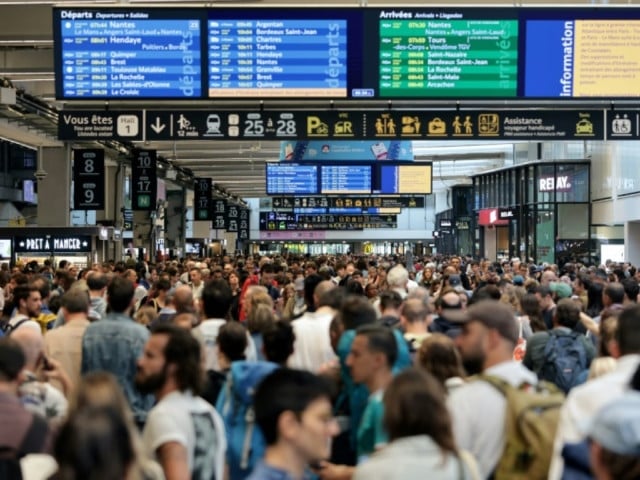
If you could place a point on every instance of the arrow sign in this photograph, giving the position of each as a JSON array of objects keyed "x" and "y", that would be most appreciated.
[{"x": 158, "y": 127}]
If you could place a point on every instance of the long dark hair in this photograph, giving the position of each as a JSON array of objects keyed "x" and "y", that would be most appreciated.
[
  {"x": 531, "y": 308},
  {"x": 415, "y": 404}
]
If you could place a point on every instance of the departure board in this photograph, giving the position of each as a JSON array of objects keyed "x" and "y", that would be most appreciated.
[
  {"x": 291, "y": 179},
  {"x": 277, "y": 58},
  {"x": 128, "y": 54},
  {"x": 405, "y": 179},
  {"x": 345, "y": 179},
  {"x": 424, "y": 58}
]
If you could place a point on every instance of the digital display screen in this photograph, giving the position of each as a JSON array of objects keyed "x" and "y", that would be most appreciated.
[
  {"x": 346, "y": 53},
  {"x": 128, "y": 54},
  {"x": 345, "y": 179},
  {"x": 427, "y": 57},
  {"x": 405, "y": 179},
  {"x": 582, "y": 58},
  {"x": 277, "y": 57},
  {"x": 5, "y": 248},
  {"x": 292, "y": 179}
]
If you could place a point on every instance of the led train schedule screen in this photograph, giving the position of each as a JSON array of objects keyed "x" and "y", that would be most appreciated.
[
  {"x": 291, "y": 179},
  {"x": 426, "y": 55},
  {"x": 127, "y": 54},
  {"x": 345, "y": 179},
  {"x": 277, "y": 57}
]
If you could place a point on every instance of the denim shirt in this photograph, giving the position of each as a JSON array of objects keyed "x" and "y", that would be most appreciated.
[{"x": 114, "y": 344}]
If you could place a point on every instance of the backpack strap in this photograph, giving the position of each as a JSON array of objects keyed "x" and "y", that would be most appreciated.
[
  {"x": 11, "y": 328},
  {"x": 249, "y": 418}
]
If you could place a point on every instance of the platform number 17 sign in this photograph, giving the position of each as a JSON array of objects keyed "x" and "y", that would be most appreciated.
[{"x": 144, "y": 180}]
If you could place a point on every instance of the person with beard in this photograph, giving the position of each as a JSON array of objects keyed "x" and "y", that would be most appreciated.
[
  {"x": 486, "y": 342},
  {"x": 183, "y": 432}
]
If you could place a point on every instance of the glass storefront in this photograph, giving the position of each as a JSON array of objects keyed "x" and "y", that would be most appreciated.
[{"x": 550, "y": 214}]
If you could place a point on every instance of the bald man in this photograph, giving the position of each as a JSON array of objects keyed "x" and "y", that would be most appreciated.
[{"x": 40, "y": 397}]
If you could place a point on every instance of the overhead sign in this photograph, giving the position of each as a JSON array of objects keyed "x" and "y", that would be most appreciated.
[
  {"x": 243, "y": 224},
  {"x": 127, "y": 217},
  {"x": 623, "y": 125},
  {"x": 120, "y": 54},
  {"x": 219, "y": 213},
  {"x": 347, "y": 202},
  {"x": 100, "y": 125},
  {"x": 233, "y": 216},
  {"x": 279, "y": 221},
  {"x": 53, "y": 243},
  {"x": 144, "y": 180},
  {"x": 445, "y": 223},
  {"x": 384, "y": 127},
  {"x": 305, "y": 52},
  {"x": 202, "y": 199},
  {"x": 88, "y": 179}
]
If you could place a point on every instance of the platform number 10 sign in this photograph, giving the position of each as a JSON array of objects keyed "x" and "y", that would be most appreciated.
[
  {"x": 88, "y": 179},
  {"x": 144, "y": 180}
]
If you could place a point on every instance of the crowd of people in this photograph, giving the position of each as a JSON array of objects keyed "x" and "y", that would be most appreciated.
[{"x": 333, "y": 367}]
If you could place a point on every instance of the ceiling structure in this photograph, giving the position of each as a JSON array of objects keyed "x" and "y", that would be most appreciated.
[{"x": 26, "y": 60}]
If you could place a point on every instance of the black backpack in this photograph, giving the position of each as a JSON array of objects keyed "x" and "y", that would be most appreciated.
[{"x": 565, "y": 361}]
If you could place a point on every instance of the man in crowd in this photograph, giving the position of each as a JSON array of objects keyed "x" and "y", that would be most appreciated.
[
  {"x": 293, "y": 411},
  {"x": 183, "y": 431},
  {"x": 115, "y": 343},
  {"x": 27, "y": 303},
  {"x": 489, "y": 335}
]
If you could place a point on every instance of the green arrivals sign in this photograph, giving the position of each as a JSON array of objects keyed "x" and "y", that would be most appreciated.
[{"x": 448, "y": 58}]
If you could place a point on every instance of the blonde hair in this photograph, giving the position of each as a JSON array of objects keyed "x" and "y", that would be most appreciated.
[{"x": 101, "y": 390}]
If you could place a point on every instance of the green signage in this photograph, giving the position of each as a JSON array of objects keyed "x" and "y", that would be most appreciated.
[{"x": 448, "y": 58}]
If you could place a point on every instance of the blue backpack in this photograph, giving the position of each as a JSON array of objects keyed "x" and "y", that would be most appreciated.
[
  {"x": 245, "y": 443},
  {"x": 565, "y": 361}
]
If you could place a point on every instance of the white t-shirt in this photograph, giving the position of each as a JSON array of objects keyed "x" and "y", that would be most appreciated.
[
  {"x": 207, "y": 332},
  {"x": 192, "y": 422},
  {"x": 312, "y": 347}
]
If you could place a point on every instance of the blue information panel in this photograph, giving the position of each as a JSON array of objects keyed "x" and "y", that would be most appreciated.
[
  {"x": 277, "y": 58},
  {"x": 128, "y": 54},
  {"x": 346, "y": 179},
  {"x": 292, "y": 179}
]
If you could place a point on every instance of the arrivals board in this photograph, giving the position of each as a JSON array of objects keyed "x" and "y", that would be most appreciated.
[
  {"x": 346, "y": 53},
  {"x": 291, "y": 179},
  {"x": 428, "y": 56}
]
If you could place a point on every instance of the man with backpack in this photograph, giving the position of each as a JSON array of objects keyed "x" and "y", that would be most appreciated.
[
  {"x": 484, "y": 410},
  {"x": 183, "y": 431},
  {"x": 561, "y": 356}
]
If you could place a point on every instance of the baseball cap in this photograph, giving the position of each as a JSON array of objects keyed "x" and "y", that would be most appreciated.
[
  {"x": 617, "y": 426},
  {"x": 492, "y": 314},
  {"x": 455, "y": 280},
  {"x": 518, "y": 280},
  {"x": 561, "y": 289}
]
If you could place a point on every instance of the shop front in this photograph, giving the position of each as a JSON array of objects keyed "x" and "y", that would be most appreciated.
[
  {"x": 535, "y": 211},
  {"x": 78, "y": 246}
]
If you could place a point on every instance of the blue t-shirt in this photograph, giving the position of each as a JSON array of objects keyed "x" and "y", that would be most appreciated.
[
  {"x": 371, "y": 433},
  {"x": 262, "y": 471}
]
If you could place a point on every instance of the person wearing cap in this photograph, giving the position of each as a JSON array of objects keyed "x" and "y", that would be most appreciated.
[
  {"x": 486, "y": 342},
  {"x": 615, "y": 439},
  {"x": 560, "y": 290},
  {"x": 585, "y": 401}
]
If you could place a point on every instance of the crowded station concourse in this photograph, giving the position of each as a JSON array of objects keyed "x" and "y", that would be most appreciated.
[{"x": 423, "y": 379}]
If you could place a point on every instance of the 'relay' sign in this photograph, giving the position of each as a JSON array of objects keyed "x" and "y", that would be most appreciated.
[{"x": 558, "y": 184}]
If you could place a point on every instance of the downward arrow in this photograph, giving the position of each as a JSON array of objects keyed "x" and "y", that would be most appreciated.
[{"x": 158, "y": 127}]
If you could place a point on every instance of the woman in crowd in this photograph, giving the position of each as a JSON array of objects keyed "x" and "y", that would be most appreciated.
[
  {"x": 439, "y": 356},
  {"x": 420, "y": 434}
]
